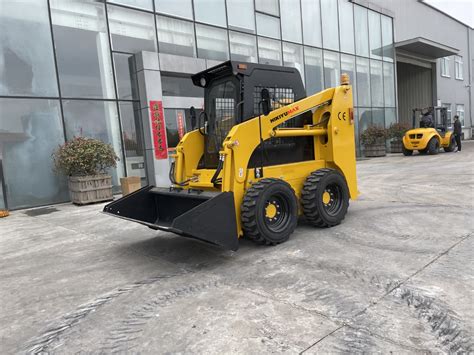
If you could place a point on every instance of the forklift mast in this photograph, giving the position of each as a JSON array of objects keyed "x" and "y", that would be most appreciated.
[{"x": 438, "y": 111}]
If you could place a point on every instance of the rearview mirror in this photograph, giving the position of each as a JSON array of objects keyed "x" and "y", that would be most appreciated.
[
  {"x": 266, "y": 104},
  {"x": 192, "y": 112}
]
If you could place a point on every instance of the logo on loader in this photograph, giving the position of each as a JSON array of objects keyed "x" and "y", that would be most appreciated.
[{"x": 284, "y": 114}]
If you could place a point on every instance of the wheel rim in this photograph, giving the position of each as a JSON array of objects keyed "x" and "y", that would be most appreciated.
[
  {"x": 332, "y": 199},
  {"x": 276, "y": 213}
]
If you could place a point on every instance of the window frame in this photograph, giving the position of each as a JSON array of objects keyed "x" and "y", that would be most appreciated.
[
  {"x": 449, "y": 113},
  {"x": 458, "y": 67},
  {"x": 444, "y": 70},
  {"x": 458, "y": 113}
]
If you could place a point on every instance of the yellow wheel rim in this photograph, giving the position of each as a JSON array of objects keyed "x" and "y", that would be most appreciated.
[
  {"x": 270, "y": 210},
  {"x": 326, "y": 197}
]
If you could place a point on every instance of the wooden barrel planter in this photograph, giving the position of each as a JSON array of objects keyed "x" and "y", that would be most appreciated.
[
  {"x": 375, "y": 150},
  {"x": 396, "y": 146},
  {"x": 90, "y": 189}
]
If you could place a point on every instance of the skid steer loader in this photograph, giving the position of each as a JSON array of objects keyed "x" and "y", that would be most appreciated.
[{"x": 262, "y": 155}]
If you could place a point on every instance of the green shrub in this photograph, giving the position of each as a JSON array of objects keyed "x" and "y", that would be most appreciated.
[
  {"x": 397, "y": 130},
  {"x": 373, "y": 135},
  {"x": 84, "y": 156}
]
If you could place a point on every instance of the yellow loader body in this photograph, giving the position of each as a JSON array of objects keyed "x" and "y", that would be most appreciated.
[{"x": 248, "y": 192}]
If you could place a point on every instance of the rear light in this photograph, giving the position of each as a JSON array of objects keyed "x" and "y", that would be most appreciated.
[{"x": 351, "y": 116}]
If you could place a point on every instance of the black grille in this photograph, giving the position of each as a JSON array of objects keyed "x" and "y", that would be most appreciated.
[
  {"x": 419, "y": 135},
  {"x": 279, "y": 97},
  {"x": 412, "y": 136},
  {"x": 224, "y": 117}
]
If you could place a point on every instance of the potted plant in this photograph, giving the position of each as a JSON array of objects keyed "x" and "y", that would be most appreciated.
[
  {"x": 373, "y": 140},
  {"x": 84, "y": 161},
  {"x": 396, "y": 131}
]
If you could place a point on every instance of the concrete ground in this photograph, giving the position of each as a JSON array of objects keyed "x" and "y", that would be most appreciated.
[{"x": 397, "y": 275}]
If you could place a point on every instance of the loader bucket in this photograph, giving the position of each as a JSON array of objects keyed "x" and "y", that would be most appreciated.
[{"x": 203, "y": 215}]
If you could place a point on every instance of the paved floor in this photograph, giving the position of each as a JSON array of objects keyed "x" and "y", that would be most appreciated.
[{"x": 397, "y": 275}]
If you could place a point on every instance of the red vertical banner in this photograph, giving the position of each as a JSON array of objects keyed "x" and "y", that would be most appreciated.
[
  {"x": 158, "y": 130},
  {"x": 180, "y": 123}
]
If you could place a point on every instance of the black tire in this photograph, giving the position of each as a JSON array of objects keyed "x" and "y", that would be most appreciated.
[
  {"x": 450, "y": 147},
  {"x": 318, "y": 212},
  {"x": 272, "y": 227},
  {"x": 406, "y": 152},
  {"x": 433, "y": 146}
]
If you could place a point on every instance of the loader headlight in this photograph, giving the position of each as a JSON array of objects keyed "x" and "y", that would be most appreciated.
[{"x": 203, "y": 81}]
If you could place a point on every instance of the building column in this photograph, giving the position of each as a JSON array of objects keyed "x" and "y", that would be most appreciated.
[{"x": 150, "y": 91}]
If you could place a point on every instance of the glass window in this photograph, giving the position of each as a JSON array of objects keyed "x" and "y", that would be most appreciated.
[
  {"x": 346, "y": 24},
  {"x": 125, "y": 74},
  {"x": 458, "y": 67},
  {"x": 131, "y": 31},
  {"x": 375, "y": 35},
  {"x": 95, "y": 119},
  {"x": 290, "y": 20},
  {"x": 331, "y": 69},
  {"x": 268, "y": 6},
  {"x": 293, "y": 57},
  {"x": 180, "y": 86},
  {"x": 241, "y": 15},
  {"x": 387, "y": 38},
  {"x": 212, "y": 43},
  {"x": 330, "y": 24},
  {"x": 26, "y": 50},
  {"x": 311, "y": 13},
  {"x": 243, "y": 47},
  {"x": 133, "y": 139},
  {"x": 348, "y": 66},
  {"x": 143, "y": 4},
  {"x": 175, "y": 36},
  {"x": 181, "y": 8},
  {"x": 378, "y": 117},
  {"x": 356, "y": 131},
  {"x": 389, "y": 84},
  {"x": 269, "y": 51},
  {"x": 460, "y": 113},
  {"x": 376, "y": 82},
  {"x": 210, "y": 11},
  {"x": 268, "y": 26},
  {"x": 448, "y": 113},
  {"x": 445, "y": 66},
  {"x": 3, "y": 204},
  {"x": 390, "y": 116},
  {"x": 363, "y": 82},
  {"x": 361, "y": 31},
  {"x": 313, "y": 59},
  {"x": 365, "y": 118},
  {"x": 173, "y": 132},
  {"x": 30, "y": 130},
  {"x": 85, "y": 70}
]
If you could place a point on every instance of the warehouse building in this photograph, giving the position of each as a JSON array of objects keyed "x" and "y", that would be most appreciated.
[{"x": 90, "y": 68}]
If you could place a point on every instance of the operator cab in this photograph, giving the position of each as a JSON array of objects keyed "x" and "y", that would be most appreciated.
[{"x": 226, "y": 104}]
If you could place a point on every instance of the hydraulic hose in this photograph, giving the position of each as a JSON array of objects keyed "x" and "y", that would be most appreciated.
[
  {"x": 172, "y": 179},
  {"x": 220, "y": 165}
]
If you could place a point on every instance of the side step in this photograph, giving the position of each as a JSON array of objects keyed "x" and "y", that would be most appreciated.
[{"x": 204, "y": 215}]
